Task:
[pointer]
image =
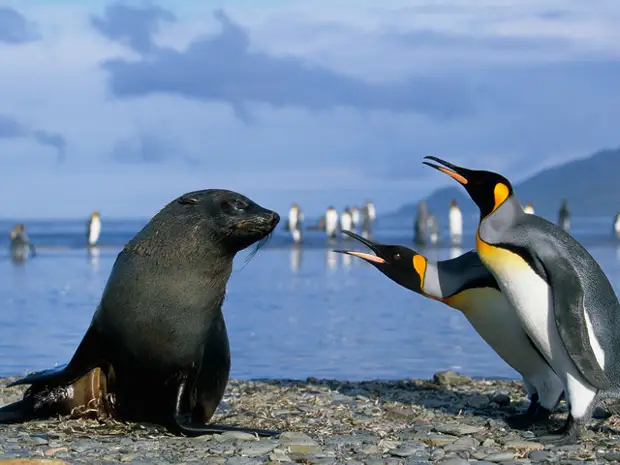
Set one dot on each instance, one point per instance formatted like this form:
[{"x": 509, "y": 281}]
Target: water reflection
[
  {"x": 295, "y": 258},
  {"x": 332, "y": 260},
  {"x": 346, "y": 260},
  {"x": 93, "y": 257},
  {"x": 455, "y": 252}
]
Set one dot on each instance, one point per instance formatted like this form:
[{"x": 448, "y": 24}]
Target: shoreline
[{"x": 451, "y": 419}]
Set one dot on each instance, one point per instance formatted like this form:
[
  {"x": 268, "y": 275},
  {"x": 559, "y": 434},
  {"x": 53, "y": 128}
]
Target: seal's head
[{"x": 230, "y": 220}]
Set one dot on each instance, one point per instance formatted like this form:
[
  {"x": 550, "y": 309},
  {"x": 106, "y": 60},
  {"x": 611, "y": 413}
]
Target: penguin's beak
[
  {"x": 365, "y": 256},
  {"x": 451, "y": 170}
]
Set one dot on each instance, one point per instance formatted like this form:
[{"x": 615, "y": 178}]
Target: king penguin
[
  {"x": 529, "y": 208},
  {"x": 331, "y": 222},
  {"x": 465, "y": 284},
  {"x": 563, "y": 299},
  {"x": 617, "y": 226},
  {"x": 295, "y": 221},
  {"x": 94, "y": 229},
  {"x": 456, "y": 223}
]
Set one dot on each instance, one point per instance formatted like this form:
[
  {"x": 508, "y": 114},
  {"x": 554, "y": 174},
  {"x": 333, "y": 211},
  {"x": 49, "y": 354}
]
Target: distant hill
[{"x": 591, "y": 185}]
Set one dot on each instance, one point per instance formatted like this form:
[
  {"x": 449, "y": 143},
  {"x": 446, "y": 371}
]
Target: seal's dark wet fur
[{"x": 157, "y": 347}]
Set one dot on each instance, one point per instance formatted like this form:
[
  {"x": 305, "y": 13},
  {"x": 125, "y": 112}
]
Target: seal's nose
[{"x": 275, "y": 218}]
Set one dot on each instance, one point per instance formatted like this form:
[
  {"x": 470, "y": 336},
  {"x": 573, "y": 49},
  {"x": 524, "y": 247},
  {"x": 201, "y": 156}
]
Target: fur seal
[{"x": 157, "y": 349}]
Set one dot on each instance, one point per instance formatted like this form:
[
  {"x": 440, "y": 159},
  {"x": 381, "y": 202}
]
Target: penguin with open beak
[
  {"x": 563, "y": 299},
  {"x": 465, "y": 284}
]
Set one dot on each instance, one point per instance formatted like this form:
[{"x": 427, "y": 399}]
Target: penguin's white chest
[{"x": 95, "y": 230}]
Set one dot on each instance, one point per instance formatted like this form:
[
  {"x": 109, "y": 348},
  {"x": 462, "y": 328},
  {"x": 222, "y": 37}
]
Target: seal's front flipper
[
  {"x": 85, "y": 358},
  {"x": 183, "y": 424},
  {"x": 39, "y": 376},
  {"x": 17, "y": 412}
]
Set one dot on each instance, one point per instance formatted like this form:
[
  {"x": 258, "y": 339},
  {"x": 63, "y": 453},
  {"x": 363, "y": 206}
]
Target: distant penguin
[
  {"x": 295, "y": 221},
  {"x": 617, "y": 225},
  {"x": 355, "y": 217},
  {"x": 432, "y": 226},
  {"x": 456, "y": 223},
  {"x": 529, "y": 208},
  {"x": 464, "y": 283},
  {"x": 419, "y": 225},
  {"x": 562, "y": 297},
  {"x": 94, "y": 229},
  {"x": 564, "y": 216},
  {"x": 21, "y": 248},
  {"x": 331, "y": 222},
  {"x": 346, "y": 222},
  {"x": 369, "y": 215}
]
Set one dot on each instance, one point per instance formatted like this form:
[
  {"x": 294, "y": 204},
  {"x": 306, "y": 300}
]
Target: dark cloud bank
[
  {"x": 15, "y": 29},
  {"x": 10, "y": 128}
]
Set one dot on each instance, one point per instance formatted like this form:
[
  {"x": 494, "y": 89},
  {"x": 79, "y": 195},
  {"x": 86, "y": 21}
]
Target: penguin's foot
[
  {"x": 568, "y": 434},
  {"x": 535, "y": 414}
]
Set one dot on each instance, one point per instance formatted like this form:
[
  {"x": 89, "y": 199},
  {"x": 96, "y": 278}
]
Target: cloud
[
  {"x": 10, "y": 128},
  {"x": 133, "y": 26},
  {"x": 223, "y": 67},
  {"x": 15, "y": 29},
  {"x": 344, "y": 102}
]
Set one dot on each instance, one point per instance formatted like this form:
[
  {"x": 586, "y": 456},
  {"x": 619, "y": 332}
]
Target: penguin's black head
[
  {"x": 401, "y": 264},
  {"x": 489, "y": 190}
]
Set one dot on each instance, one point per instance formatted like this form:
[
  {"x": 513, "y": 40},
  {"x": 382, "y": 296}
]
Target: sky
[{"x": 122, "y": 107}]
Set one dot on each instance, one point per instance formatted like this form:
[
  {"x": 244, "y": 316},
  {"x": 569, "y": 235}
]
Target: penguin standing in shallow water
[
  {"x": 331, "y": 222},
  {"x": 346, "y": 222},
  {"x": 465, "y": 284},
  {"x": 617, "y": 226},
  {"x": 563, "y": 299},
  {"x": 456, "y": 223},
  {"x": 93, "y": 229},
  {"x": 295, "y": 221}
]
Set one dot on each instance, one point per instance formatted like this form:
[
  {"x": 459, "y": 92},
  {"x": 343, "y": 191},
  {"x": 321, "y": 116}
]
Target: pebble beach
[{"x": 450, "y": 419}]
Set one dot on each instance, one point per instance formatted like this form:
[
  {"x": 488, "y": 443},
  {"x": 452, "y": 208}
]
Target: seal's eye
[{"x": 234, "y": 205}]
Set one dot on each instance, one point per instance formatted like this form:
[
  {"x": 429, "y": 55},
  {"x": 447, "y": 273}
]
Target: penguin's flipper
[
  {"x": 85, "y": 358},
  {"x": 554, "y": 255}
]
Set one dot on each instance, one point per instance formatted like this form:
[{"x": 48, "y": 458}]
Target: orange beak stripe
[
  {"x": 453, "y": 174},
  {"x": 367, "y": 256}
]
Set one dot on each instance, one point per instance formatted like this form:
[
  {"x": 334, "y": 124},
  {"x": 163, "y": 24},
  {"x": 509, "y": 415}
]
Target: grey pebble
[
  {"x": 501, "y": 398},
  {"x": 237, "y": 435},
  {"x": 244, "y": 461},
  {"x": 457, "y": 430},
  {"x": 454, "y": 461},
  {"x": 256, "y": 448},
  {"x": 388, "y": 461},
  {"x": 408, "y": 448},
  {"x": 540, "y": 456},
  {"x": 500, "y": 457},
  {"x": 612, "y": 456}
]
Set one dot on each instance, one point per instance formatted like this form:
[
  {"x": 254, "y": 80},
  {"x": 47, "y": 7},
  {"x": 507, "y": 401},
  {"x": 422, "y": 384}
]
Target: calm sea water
[{"x": 291, "y": 312}]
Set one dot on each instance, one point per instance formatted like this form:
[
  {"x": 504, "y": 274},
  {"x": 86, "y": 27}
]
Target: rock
[
  {"x": 478, "y": 401},
  {"x": 244, "y": 461},
  {"x": 448, "y": 377},
  {"x": 540, "y": 456},
  {"x": 457, "y": 429},
  {"x": 500, "y": 457},
  {"x": 299, "y": 443},
  {"x": 237, "y": 435},
  {"x": 454, "y": 461},
  {"x": 257, "y": 448},
  {"x": 32, "y": 462},
  {"x": 526, "y": 445},
  {"x": 369, "y": 449},
  {"x": 437, "y": 439},
  {"x": 408, "y": 449},
  {"x": 501, "y": 398}
]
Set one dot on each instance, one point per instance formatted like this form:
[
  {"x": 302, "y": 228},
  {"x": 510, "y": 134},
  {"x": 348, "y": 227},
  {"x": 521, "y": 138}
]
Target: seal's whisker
[{"x": 257, "y": 247}]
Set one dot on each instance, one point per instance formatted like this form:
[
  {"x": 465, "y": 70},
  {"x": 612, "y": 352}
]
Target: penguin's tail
[{"x": 17, "y": 412}]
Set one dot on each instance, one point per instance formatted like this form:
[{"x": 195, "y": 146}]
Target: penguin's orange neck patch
[
  {"x": 501, "y": 193},
  {"x": 419, "y": 265}
]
